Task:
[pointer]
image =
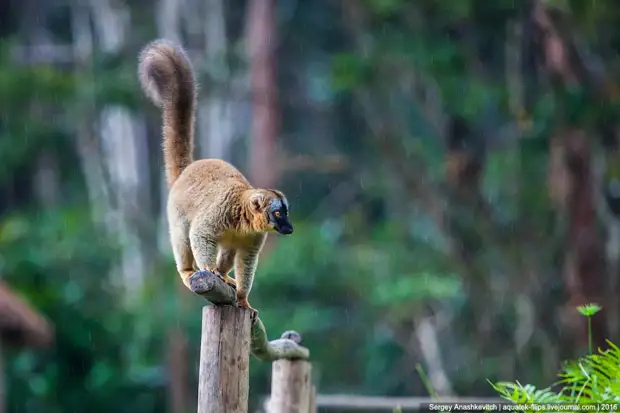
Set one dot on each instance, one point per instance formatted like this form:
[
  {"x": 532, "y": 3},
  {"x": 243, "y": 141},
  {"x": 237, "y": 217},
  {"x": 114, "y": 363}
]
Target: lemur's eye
[{"x": 277, "y": 213}]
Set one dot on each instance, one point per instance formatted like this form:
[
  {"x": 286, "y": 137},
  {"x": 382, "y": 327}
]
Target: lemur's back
[
  {"x": 207, "y": 182},
  {"x": 217, "y": 170}
]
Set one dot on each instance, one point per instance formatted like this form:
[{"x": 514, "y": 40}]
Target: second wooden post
[{"x": 290, "y": 386}]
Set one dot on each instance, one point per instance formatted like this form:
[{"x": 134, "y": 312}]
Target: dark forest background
[{"x": 452, "y": 167}]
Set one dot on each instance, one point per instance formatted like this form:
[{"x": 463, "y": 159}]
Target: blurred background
[{"x": 452, "y": 168}]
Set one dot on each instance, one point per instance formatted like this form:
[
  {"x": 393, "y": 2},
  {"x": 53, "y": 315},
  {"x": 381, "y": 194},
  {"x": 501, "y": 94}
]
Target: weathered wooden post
[
  {"x": 290, "y": 387},
  {"x": 223, "y": 382},
  {"x": 229, "y": 334},
  {"x": 312, "y": 406},
  {"x": 291, "y": 383},
  {"x": 223, "y": 385}
]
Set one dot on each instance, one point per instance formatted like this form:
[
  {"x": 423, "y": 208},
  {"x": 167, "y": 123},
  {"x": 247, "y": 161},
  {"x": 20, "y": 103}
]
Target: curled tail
[{"x": 167, "y": 78}]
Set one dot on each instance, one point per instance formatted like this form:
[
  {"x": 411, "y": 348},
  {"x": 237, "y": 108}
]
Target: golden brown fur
[{"x": 217, "y": 219}]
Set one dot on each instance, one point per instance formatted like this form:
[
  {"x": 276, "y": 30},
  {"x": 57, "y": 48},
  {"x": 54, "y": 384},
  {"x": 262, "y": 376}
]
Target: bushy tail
[{"x": 167, "y": 78}]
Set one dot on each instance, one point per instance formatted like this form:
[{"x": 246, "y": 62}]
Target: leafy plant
[{"x": 594, "y": 378}]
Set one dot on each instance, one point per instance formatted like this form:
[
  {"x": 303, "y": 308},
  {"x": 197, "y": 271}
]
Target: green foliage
[
  {"x": 594, "y": 378},
  {"x": 385, "y": 8},
  {"x": 61, "y": 263},
  {"x": 520, "y": 394},
  {"x": 348, "y": 71},
  {"x": 416, "y": 287}
]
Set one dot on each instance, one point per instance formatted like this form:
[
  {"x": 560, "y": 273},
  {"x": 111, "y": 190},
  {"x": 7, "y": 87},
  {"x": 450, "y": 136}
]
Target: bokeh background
[{"x": 452, "y": 168}]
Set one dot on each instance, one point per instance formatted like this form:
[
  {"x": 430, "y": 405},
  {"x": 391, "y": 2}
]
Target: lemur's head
[{"x": 270, "y": 209}]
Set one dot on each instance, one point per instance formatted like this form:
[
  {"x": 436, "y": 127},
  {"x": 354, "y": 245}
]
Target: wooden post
[
  {"x": 229, "y": 334},
  {"x": 223, "y": 385},
  {"x": 290, "y": 386},
  {"x": 312, "y": 402}
]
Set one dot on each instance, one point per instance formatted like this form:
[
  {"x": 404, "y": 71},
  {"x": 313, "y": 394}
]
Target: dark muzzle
[{"x": 284, "y": 229}]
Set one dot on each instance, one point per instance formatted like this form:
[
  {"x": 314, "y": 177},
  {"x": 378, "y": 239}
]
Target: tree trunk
[
  {"x": 585, "y": 260},
  {"x": 124, "y": 148},
  {"x": 261, "y": 41},
  {"x": 87, "y": 144},
  {"x": 585, "y": 271},
  {"x": 216, "y": 117}
]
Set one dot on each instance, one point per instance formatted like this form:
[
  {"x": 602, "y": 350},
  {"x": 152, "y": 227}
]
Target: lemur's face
[{"x": 277, "y": 213}]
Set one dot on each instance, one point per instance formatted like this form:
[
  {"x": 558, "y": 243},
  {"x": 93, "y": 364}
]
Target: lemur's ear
[
  {"x": 279, "y": 193},
  {"x": 257, "y": 200}
]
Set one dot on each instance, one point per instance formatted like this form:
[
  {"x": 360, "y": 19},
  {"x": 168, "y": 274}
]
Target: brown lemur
[{"x": 217, "y": 219}]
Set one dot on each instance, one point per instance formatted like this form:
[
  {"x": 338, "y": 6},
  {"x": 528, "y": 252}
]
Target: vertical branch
[
  {"x": 261, "y": 40},
  {"x": 585, "y": 260},
  {"x": 216, "y": 121},
  {"x": 261, "y": 44}
]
